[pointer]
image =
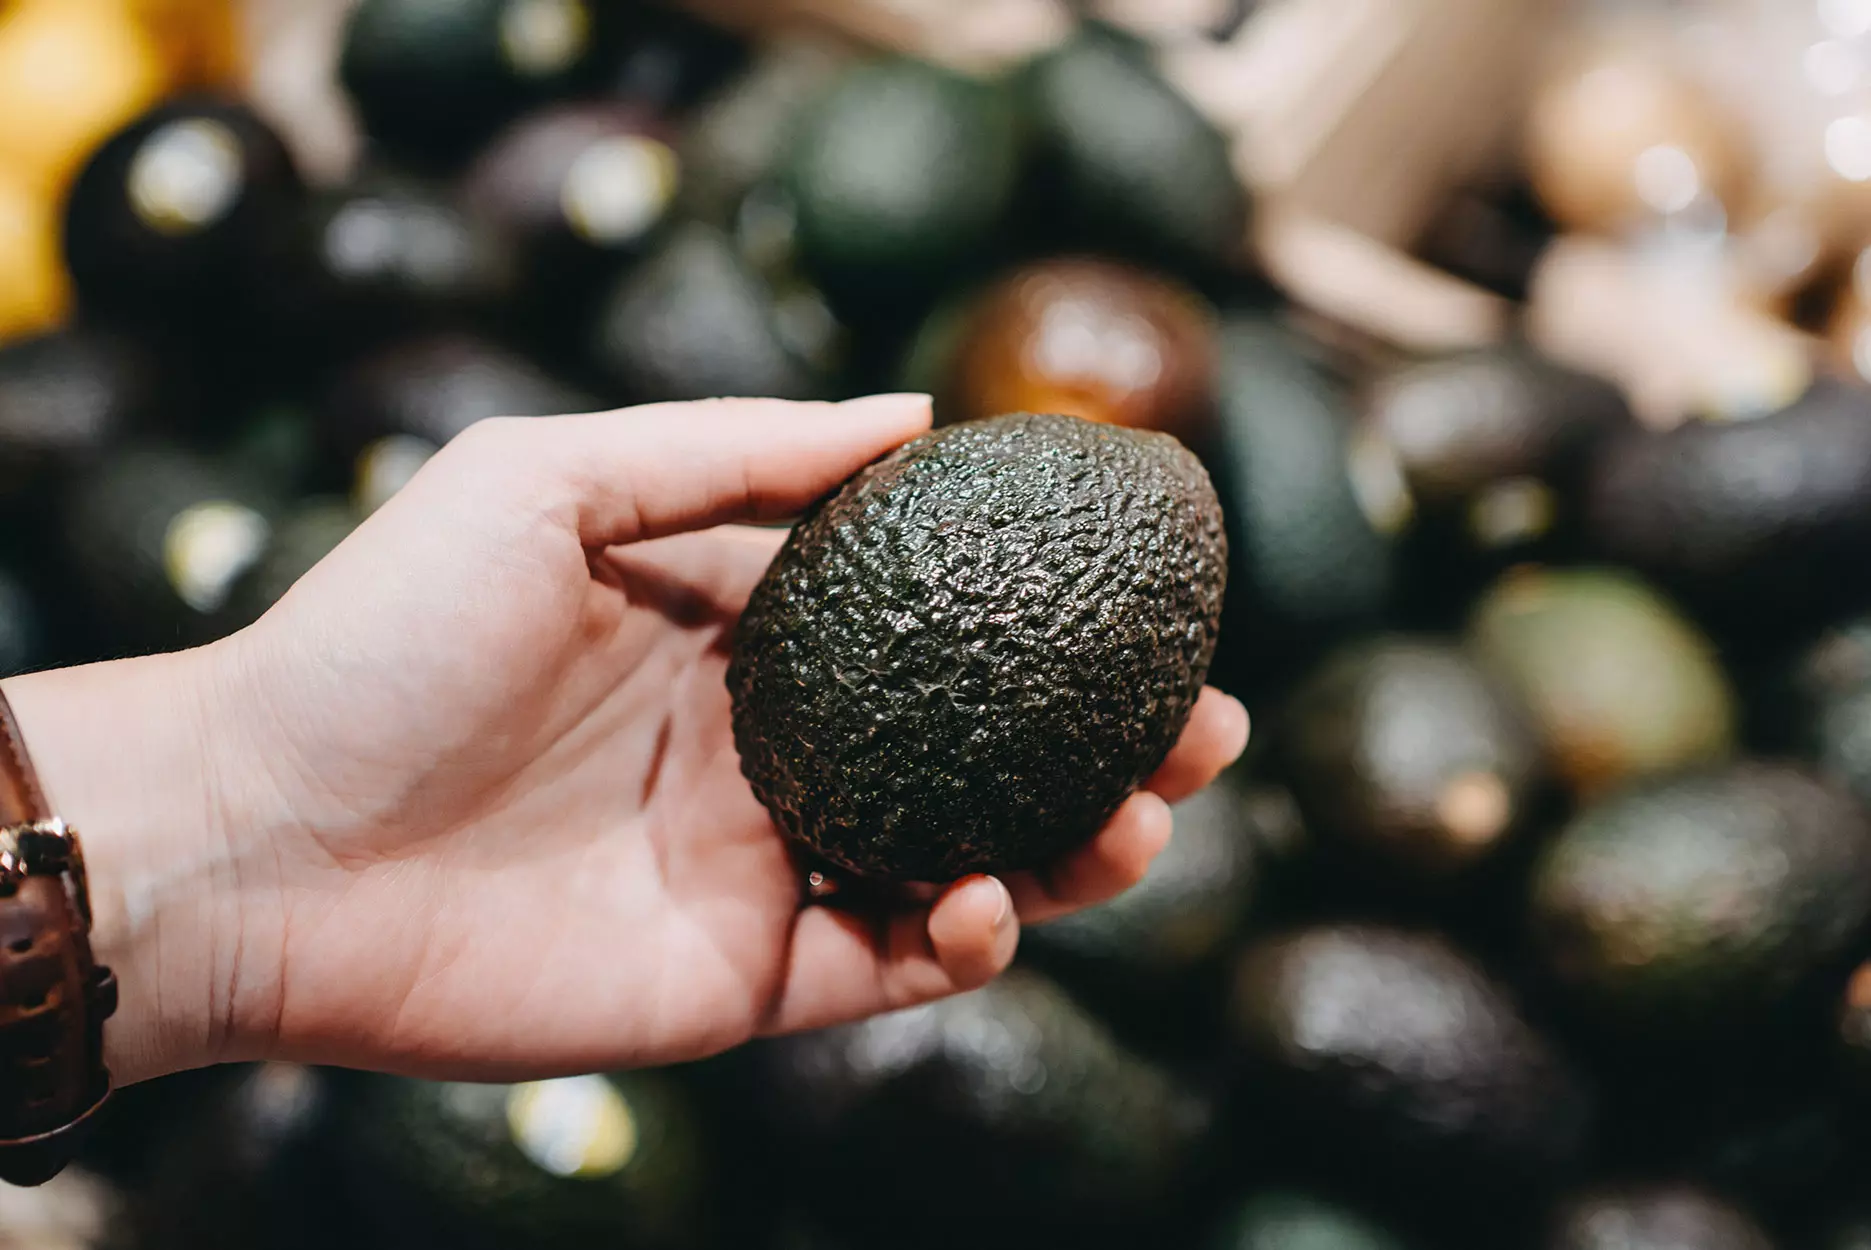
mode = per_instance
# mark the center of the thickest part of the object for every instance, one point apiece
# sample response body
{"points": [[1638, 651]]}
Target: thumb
{"points": [[641, 473]]}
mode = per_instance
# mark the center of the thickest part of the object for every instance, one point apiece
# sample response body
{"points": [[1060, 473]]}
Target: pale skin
{"points": [[466, 803]]}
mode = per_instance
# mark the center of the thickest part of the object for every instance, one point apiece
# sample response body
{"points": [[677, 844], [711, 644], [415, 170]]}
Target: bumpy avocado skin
{"points": [[969, 656]]}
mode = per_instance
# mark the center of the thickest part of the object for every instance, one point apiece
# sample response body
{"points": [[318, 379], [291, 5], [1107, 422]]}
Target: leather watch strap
{"points": [[54, 998]]}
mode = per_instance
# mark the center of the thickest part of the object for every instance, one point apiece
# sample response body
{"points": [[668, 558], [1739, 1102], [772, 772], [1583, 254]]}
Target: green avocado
{"points": [[158, 538], [1123, 162], [186, 217], [1294, 1221], [1664, 1218], [972, 653], [694, 321], [431, 80], [1407, 756], [1491, 445], [1703, 896], [899, 180], [573, 1162], [1763, 523], [1009, 1099], [1143, 960], [1310, 561], [1618, 682], [1388, 1050]]}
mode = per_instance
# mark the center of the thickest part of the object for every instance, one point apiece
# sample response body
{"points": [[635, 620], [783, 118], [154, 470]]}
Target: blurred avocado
{"points": [[1386, 1054], [1309, 543], [432, 79], [694, 322], [305, 535], [67, 398], [426, 390], [1704, 897], [1147, 960], [583, 189], [158, 536], [1009, 1099], [1654, 1218], [738, 138], [1408, 758], [899, 182], [1087, 338], [1492, 445], [1281, 1220], [249, 1166], [574, 1162], [1763, 523], [391, 255], [1618, 683], [1124, 163], [186, 218]]}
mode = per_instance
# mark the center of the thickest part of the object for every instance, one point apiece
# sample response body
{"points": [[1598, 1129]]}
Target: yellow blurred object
{"points": [[201, 40], [71, 72], [34, 293]]}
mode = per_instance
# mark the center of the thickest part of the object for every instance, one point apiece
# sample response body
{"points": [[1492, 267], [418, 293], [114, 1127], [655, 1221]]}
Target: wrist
{"points": [[142, 758]]}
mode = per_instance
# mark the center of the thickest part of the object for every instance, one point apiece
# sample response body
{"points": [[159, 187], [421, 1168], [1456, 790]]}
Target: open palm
{"points": [[502, 816]]}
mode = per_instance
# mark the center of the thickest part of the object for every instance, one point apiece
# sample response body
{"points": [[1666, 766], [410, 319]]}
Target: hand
{"points": [[466, 802]]}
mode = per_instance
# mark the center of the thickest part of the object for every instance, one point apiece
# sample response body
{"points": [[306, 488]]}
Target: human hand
{"points": [[466, 803]]}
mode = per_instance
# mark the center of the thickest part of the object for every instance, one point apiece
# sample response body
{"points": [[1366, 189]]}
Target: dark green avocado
{"points": [[694, 321], [1491, 445], [1122, 162], [1143, 959], [187, 215], [1386, 1050], [1619, 684], [433, 387], [390, 255], [1295, 1221], [158, 536], [1657, 1218], [575, 1162], [1703, 896], [1010, 1100], [1310, 560], [738, 137], [583, 189], [1407, 756], [899, 180], [1764, 523], [968, 657], [431, 80]]}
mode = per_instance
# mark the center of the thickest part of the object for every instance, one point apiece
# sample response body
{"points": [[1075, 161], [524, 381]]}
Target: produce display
{"points": [[1537, 914]]}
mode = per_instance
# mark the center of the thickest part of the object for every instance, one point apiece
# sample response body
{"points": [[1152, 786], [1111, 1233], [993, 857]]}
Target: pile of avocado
{"points": [[1537, 915]]}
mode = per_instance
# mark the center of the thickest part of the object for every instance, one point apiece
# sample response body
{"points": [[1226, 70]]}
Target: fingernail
{"points": [[879, 405], [1003, 913]]}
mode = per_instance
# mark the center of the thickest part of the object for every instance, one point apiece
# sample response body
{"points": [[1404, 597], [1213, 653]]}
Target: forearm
{"points": [[135, 755]]}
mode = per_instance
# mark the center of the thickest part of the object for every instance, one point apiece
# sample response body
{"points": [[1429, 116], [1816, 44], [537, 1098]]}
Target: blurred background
{"points": [[1526, 341]]}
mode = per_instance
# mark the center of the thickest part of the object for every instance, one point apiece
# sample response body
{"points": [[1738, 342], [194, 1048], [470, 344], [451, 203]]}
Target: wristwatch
{"points": [[54, 998]]}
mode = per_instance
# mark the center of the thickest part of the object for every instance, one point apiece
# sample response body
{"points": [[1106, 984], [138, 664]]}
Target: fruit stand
{"points": [[1523, 344]]}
